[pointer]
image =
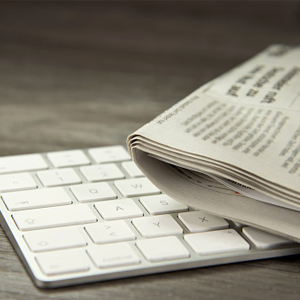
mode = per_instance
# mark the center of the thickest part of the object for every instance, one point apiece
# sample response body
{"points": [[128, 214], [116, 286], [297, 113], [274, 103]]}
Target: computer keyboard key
{"points": [[162, 204], [16, 182], [113, 255], [54, 217], [264, 240], [37, 198], [58, 177], [110, 232], [136, 187], [198, 221], [93, 192], [156, 226], [63, 262], [71, 158], [118, 209], [216, 242], [109, 154], [162, 249], [102, 172], [21, 163], [54, 239], [132, 169]]}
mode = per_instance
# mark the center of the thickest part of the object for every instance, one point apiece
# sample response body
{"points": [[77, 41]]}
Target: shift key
{"points": [[54, 217]]}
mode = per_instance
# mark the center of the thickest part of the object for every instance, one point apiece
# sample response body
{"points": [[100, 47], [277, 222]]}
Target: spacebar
{"points": [[54, 217]]}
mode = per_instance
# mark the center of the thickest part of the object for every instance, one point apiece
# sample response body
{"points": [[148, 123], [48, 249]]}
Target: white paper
{"points": [[242, 127]]}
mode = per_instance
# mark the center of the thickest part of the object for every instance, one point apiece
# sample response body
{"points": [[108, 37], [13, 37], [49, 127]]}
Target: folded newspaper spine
{"points": [[232, 147]]}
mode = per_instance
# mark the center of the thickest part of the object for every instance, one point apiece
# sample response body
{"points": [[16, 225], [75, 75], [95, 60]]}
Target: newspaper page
{"points": [[232, 147]]}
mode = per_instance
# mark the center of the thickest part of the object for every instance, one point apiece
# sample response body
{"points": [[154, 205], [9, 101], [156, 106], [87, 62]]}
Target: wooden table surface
{"points": [[85, 74]]}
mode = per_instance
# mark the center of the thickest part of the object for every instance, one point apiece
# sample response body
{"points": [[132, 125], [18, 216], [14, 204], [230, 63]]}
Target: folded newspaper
{"points": [[232, 147]]}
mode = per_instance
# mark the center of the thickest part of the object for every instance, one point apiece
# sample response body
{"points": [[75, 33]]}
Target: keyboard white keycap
{"points": [[54, 217], [113, 255], [132, 169], [136, 187], [109, 154], [215, 242], [93, 192], [16, 182], [110, 232], [21, 163], [264, 240], [63, 262], [59, 177], [54, 239], [37, 198], [69, 158], [198, 221], [157, 226], [162, 204], [118, 209], [162, 249], [102, 172]]}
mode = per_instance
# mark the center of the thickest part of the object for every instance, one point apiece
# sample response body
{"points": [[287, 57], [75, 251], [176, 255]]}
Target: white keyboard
{"points": [[90, 215]]}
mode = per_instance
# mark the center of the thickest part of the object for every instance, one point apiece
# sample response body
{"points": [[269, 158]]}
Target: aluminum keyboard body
{"points": [[90, 215]]}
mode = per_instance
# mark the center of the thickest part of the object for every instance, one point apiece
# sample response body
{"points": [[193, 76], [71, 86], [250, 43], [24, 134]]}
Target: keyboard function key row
{"points": [[60, 159], [73, 158]]}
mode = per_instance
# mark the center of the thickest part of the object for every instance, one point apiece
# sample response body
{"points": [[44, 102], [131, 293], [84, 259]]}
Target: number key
{"points": [[101, 172]]}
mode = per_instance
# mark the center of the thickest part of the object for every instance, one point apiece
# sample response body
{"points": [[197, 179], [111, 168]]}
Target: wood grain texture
{"points": [[85, 74]]}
